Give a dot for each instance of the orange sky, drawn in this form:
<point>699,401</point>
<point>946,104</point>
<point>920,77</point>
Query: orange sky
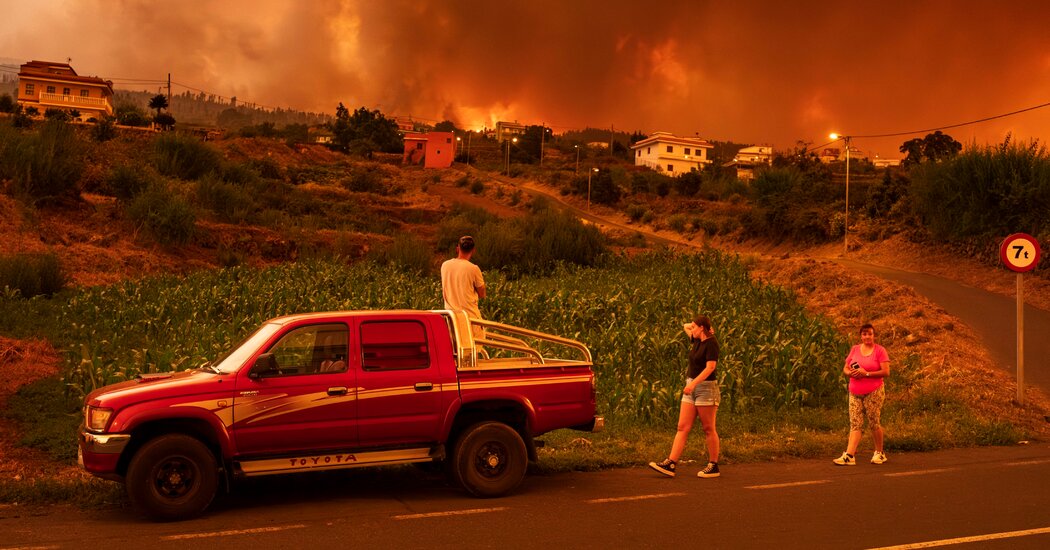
<point>767,72</point>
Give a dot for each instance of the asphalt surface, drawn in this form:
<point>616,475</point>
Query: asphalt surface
<point>992,316</point>
<point>995,496</point>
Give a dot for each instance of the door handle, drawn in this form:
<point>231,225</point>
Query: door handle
<point>337,390</point>
<point>424,386</point>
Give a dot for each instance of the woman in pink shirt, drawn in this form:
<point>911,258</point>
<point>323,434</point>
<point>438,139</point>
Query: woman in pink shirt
<point>866,366</point>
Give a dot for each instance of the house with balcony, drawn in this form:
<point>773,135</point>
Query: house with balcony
<point>748,159</point>
<point>671,155</point>
<point>509,130</point>
<point>47,85</point>
<point>432,149</point>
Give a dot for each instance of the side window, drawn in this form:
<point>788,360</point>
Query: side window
<point>311,350</point>
<point>394,345</point>
<point>670,148</point>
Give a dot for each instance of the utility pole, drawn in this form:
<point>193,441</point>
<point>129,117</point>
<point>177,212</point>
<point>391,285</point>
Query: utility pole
<point>612,133</point>
<point>169,92</point>
<point>543,134</point>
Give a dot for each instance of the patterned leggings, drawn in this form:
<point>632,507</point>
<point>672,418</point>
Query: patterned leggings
<point>866,406</point>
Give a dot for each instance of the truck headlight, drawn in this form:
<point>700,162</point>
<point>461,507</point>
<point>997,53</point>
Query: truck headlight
<point>97,418</point>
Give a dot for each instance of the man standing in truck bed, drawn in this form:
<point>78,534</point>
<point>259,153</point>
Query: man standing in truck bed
<point>461,281</point>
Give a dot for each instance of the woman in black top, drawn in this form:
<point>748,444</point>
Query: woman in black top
<point>700,397</point>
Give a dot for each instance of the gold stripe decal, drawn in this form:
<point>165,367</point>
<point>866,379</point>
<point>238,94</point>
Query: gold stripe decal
<point>333,461</point>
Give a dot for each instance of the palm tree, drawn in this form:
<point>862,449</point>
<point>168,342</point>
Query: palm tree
<point>158,102</point>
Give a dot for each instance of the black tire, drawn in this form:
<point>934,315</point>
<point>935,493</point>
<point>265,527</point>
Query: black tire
<point>172,477</point>
<point>490,459</point>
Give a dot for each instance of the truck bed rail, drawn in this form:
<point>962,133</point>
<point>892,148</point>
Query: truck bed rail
<point>482,344</point>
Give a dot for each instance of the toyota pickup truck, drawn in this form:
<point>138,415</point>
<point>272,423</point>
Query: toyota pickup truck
<point>324,391</point>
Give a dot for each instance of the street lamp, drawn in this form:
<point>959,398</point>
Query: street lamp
<point>845,220</point>
<point>458,141</point>
<point>577,159</point>
<point>469,133</point>
<point>515,140</point>
<point>593,170</point>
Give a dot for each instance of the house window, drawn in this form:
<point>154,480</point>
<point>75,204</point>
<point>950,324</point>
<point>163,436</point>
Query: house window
<point>66,91</point>
<point>670,148</point>
<point>30,89</point>
<point>448,140</point>
<point>419,145</point>
<point>84,93</point>
<point>50,89</point>
<point>687,151</point>
<point>670,168</point>
<point>639,153</point>
<point>648,150</point>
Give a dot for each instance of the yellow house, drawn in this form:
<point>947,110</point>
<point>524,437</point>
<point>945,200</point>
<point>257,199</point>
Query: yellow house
<point>46,85</point>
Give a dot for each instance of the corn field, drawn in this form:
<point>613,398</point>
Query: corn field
<point>630,312</point>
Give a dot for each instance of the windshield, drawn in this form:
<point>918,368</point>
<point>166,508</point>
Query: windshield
<point>235,358</point>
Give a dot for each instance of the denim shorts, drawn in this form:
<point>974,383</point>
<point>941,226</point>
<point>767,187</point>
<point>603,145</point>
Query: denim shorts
<point>705,394</point>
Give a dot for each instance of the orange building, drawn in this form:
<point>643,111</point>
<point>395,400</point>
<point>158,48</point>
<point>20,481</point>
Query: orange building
<point>46,85</point>
<point>433,149</point>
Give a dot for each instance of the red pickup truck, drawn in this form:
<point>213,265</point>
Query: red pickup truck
<point>323,391</point>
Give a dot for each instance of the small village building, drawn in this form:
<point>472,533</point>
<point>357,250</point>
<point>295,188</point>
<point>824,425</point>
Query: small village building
<point>672,155</point>
<point>880,162</point>
<point>748,159</point>
<point>47,85</point>
<point>432,149</point>
<point>509,130</point>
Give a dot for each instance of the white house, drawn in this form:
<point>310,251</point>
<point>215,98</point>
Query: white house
<point>748,158</point>
<point>664,152</point>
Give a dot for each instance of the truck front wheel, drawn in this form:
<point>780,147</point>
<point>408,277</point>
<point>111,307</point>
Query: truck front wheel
<point>490,459</point>
<point>172,477</point>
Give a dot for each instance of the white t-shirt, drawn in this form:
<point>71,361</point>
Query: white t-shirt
<point>460,281</point>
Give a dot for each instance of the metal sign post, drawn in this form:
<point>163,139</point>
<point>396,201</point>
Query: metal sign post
<point>1020,253</point>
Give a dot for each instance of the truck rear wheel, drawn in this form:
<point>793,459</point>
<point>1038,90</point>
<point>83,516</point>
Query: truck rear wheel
<point>172,477</point>
<point>489,460</point>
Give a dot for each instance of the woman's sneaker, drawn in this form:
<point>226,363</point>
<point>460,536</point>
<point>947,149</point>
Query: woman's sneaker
<point>845,460</point>
<point>878,458</point>
<point>711,470</point>
<point>666,467</point>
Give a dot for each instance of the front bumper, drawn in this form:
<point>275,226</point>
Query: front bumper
<point>100,453</point>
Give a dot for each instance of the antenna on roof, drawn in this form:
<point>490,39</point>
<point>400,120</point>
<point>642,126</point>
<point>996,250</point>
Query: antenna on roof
<point>69,60</point>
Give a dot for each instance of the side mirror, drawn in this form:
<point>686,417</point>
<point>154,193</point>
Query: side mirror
<point>265,365</point>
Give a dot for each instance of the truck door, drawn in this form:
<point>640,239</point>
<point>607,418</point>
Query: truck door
<point>399,386</point>
<point>306,402</point>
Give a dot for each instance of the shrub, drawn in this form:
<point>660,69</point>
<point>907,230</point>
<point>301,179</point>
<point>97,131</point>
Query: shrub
<point>477,187</point>
<point>126,181</point>
<point>409,253</point>
<point>230,202</point>
<point>164,214</point>
<point>365,179</point>
<point>7,103</point>
<point>43,165</point>
<point>677,222</point>
<point>105,129</point>
<point>635,211</point>
<point>266,168</point>
<point>32,274</point>
<point>538,243</point>
<point>987,192</point>
<point>184,156</point>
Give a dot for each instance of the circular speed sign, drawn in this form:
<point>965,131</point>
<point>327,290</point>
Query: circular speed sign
<point>1020,252</point>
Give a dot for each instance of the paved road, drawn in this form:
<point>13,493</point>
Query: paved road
<point>914,498</point>
<point>992,316</point>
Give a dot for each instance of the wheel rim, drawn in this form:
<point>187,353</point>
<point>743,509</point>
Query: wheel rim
<point>175,477</point>
<point>491,460</point>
